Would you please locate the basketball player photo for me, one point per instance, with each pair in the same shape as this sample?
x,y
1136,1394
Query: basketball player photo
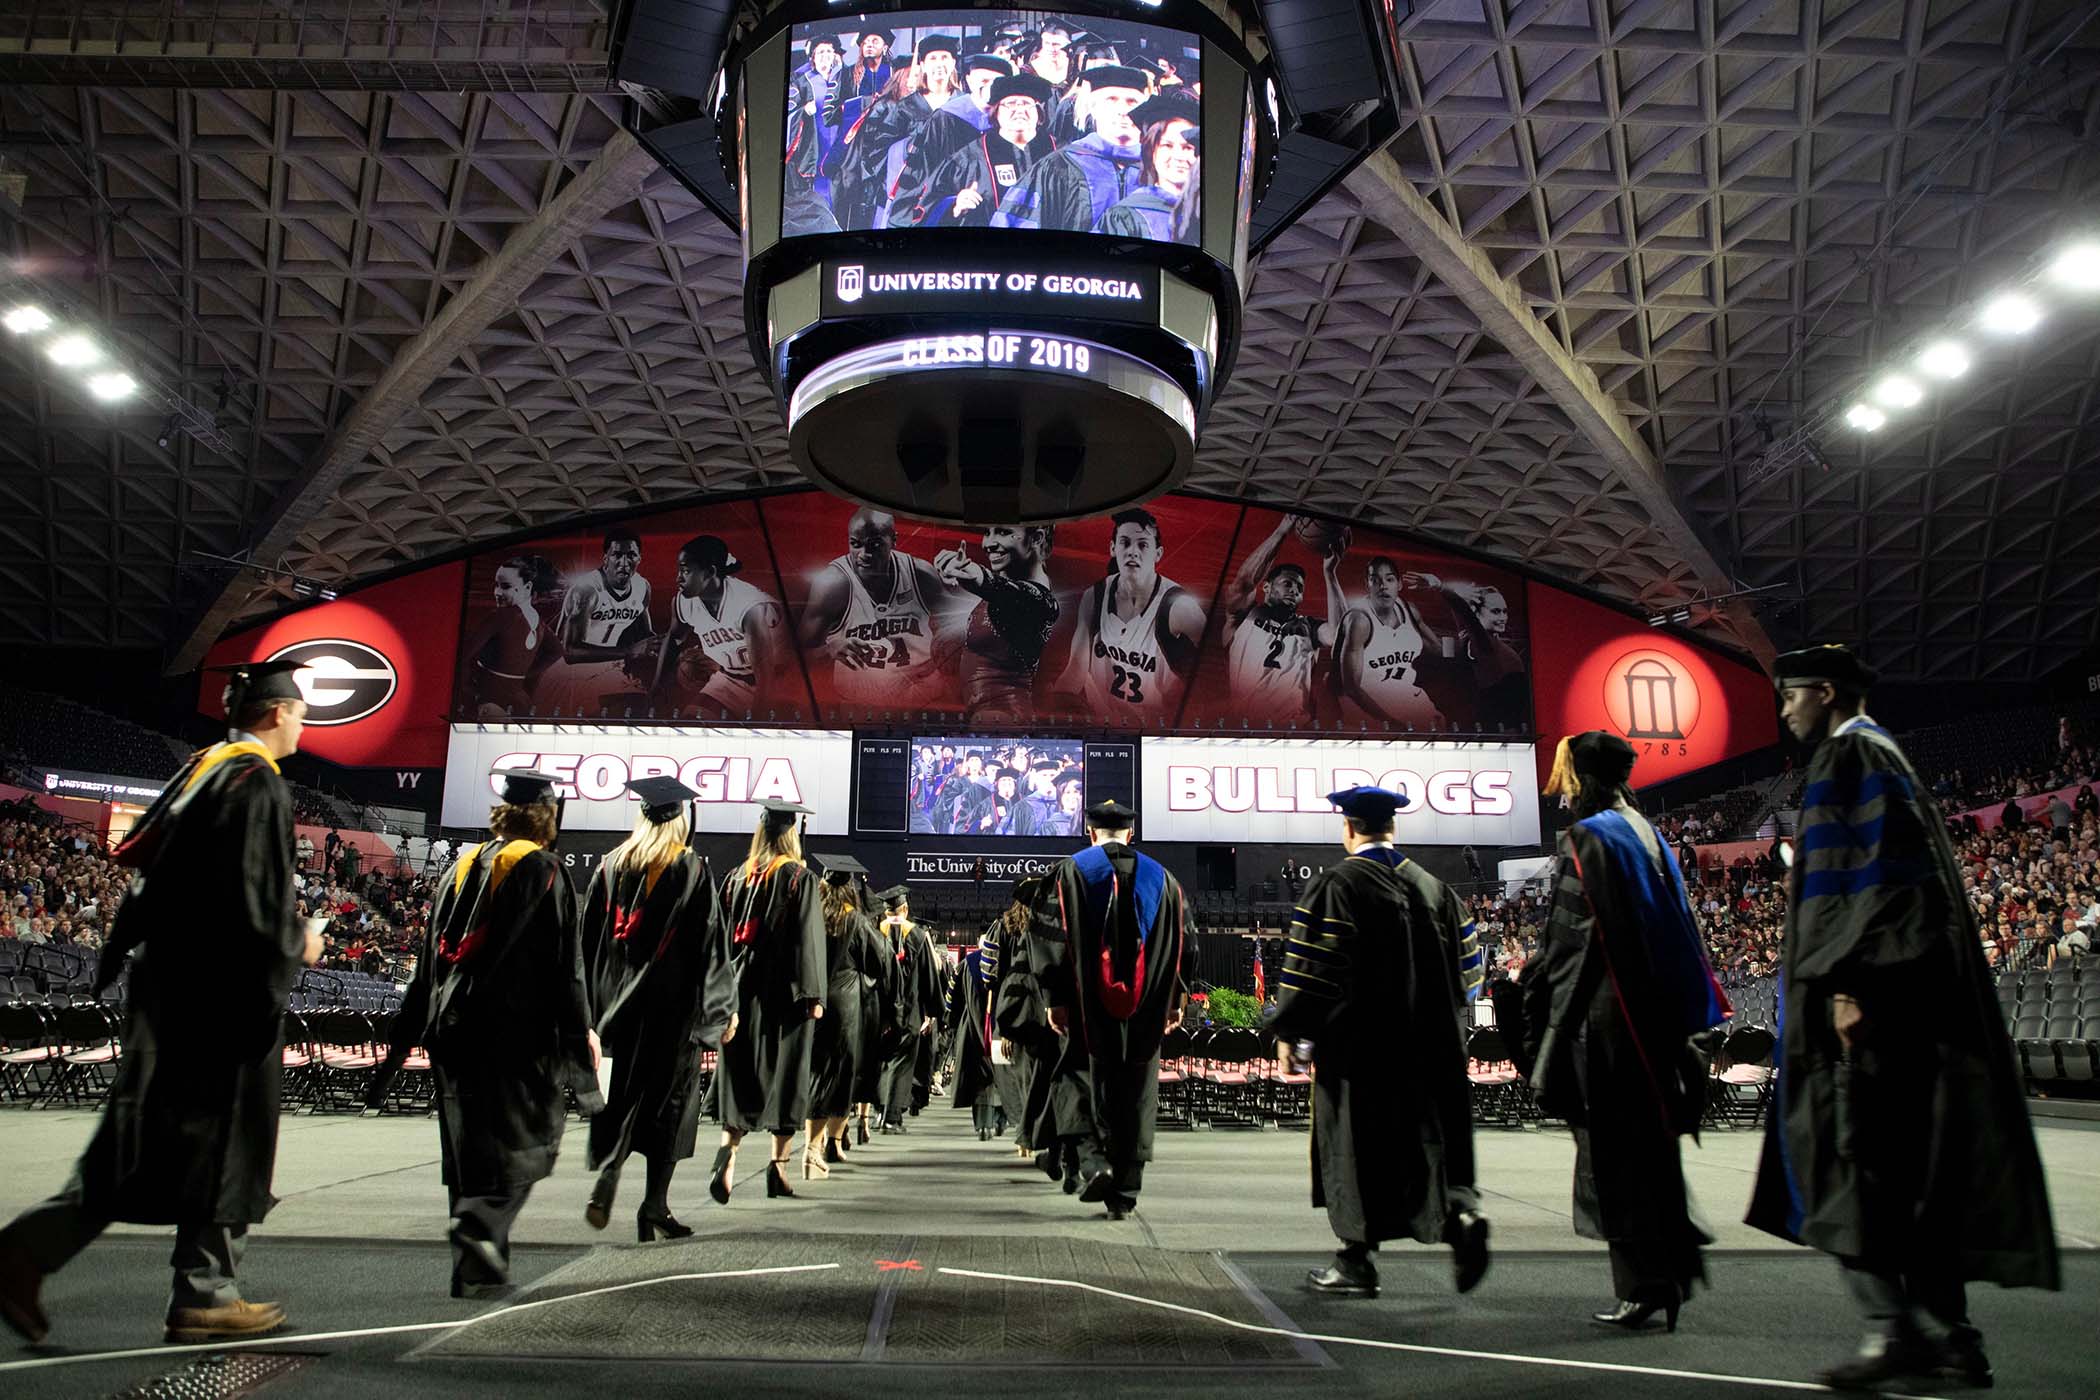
x,y
1274,652
1388,647
871,615
1136,635
604,622
728,648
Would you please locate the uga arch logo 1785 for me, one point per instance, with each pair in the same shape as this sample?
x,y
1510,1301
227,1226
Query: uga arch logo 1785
x,y
1652,698
344,682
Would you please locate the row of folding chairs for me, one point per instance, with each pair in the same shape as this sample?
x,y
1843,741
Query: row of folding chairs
x,y
60,1049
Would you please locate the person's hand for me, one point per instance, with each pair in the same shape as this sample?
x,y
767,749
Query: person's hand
x,y
1283,1057
729,1031
1060,1020
1412,582
1174,1021
1848,1020
969,199
597,1050
312,951
925,1025
816,1010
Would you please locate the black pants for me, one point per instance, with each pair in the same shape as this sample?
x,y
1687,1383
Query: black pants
x,y
480,1235
206,1258
1921,1301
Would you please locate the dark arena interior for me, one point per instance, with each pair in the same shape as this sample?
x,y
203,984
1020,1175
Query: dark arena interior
x,y
1163,697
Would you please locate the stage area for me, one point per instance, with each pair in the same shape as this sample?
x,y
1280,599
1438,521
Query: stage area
x,y
932,1252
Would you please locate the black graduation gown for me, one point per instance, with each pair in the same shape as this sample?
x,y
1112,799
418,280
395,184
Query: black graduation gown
x,y
1931,1159
1052,1068
861,191
934,1045
777,945
841,1039
969,1020
1609,1055
878,1009
988,161
661,990
956,124
1072,189
1370,977
189,1135
918,996
1113,961
501,1005
1001,949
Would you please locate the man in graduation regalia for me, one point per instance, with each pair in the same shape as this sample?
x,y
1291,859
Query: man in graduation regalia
x,y
1073,188
189,1135
661,991
1372,977
1900,1140
971,1032
1110,927
958,122
500,1004
776,935
1169,157
918,999
1615,995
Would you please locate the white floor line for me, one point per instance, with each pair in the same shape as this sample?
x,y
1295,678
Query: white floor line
x,y
402,1329
1514,1358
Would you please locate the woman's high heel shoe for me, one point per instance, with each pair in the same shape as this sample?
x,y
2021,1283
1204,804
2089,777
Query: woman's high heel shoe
x,y
777,1180
718,1180
1632,1317
835,1149
860,1133
814,1167
648,1224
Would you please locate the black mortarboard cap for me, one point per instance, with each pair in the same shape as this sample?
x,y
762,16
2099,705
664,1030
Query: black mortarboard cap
x,y
1020,85
662,798
1111,815
1027,888
522,787
894,897
778,816
1115,75
990,62
1368,804
250,681
937,43
839,865
1830,662
1601,754
1169,105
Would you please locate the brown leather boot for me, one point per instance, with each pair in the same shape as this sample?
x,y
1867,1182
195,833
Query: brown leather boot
x,y
20,1280
223,1324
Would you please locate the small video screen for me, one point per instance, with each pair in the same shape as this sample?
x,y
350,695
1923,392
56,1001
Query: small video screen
x,y
997,787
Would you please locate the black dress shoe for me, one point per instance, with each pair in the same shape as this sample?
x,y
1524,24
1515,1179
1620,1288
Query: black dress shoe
x,y
1071,1186
860,1133
1881,1360
1046,1163
777,1181
598,1212
1097,1188
1631,1316
1339,1281
648,1224
482,1291
1119,1206
1467,1234
1962,1359
718,1179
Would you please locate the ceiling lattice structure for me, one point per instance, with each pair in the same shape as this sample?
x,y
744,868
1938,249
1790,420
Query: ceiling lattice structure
x,y
1725,211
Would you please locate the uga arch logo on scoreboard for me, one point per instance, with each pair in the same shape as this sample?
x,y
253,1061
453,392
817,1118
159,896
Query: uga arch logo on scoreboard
x,y
344,682
1651,697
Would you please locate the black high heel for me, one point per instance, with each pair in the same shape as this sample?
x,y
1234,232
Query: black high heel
x,y
718,1180
649,1224
1631,1316
860,1133
834,1150
776,1179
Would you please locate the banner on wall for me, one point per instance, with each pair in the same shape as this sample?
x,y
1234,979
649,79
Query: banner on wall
x,y
732,770
1274,790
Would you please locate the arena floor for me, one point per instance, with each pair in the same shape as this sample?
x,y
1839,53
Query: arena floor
x,y
933,1254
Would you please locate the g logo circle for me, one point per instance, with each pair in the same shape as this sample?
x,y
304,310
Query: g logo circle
x,y
344,682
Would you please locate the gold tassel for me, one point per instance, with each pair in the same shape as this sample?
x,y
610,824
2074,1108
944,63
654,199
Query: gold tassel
x,y
1562,779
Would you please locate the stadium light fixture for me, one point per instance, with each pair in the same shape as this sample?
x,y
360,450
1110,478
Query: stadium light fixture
x,y
111,385
2078,267
2010,313
27,320
1865,417
1896,391
1944,359
73,351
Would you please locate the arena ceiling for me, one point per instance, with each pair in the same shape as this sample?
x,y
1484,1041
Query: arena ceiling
x,y
442,297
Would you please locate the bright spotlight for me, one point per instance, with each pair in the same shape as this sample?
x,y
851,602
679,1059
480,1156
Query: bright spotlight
x,y
1897,392
2011,314
1944,359
2078,267
111,385
27,320
73,351
1865,417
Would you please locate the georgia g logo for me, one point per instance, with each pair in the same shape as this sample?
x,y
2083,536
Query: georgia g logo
x,y
344,682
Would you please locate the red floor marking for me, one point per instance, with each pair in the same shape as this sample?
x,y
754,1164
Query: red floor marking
x,y
884,1266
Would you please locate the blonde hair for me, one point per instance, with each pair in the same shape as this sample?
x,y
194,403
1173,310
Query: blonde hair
x,y
767,847
523,821
652,847
1562,781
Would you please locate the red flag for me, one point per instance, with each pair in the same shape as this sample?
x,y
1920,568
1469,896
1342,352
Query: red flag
x,y
1261,995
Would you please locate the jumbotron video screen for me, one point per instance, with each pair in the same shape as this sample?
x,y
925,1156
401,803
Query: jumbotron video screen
x,y
994,119
977,786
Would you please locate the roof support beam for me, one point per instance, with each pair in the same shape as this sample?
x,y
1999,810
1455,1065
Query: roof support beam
x,y
1392,201
612,178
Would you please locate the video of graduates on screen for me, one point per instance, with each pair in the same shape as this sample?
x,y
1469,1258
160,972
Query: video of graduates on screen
x,y
994,119
997,787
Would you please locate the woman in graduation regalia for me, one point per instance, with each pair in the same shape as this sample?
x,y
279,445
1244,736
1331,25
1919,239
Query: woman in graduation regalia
x,y
852,950
1612,1001
660,992
776,935
878,1010
1004,956
970,1022
918,1000
1164,208
499,1002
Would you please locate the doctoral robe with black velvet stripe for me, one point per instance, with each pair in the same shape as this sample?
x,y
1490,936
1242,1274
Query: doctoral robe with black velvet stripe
x,y
662,990
500,1003
1931,1159
1371,977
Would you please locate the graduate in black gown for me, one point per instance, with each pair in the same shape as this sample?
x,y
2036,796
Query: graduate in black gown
x,y
958,122
776,934
657,952
919,1006
1055,1095
1900,1140
878,1010
852,950
972,1032
1372,978
1005,954
1165,204
965,189
1073,188
1110,928
500,1003
1613,1000
189,1135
